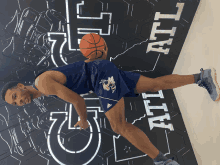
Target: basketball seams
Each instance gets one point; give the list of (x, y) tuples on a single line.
[(93, 35), (87, 41), (94, 49), (93, 39), (94, 43), (92, 52), (99, 39)]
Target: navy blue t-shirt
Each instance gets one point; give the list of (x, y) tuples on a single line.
[(102, 77)]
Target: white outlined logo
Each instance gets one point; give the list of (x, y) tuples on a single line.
[(109, 84), (109, 105)]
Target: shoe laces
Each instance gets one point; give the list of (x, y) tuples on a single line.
[(205, 84), (168, 161)]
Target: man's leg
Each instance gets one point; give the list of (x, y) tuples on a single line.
[(139, 139), (174, 81), (145, 84), (133, 134)]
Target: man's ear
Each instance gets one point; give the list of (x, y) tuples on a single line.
[(19, 85)]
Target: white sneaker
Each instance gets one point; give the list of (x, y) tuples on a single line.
[(167, 162)]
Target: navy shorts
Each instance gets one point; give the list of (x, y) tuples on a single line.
[(112, 84)]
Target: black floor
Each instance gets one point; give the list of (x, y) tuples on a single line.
[(143, 36)]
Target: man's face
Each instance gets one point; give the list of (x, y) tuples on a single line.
[(18, 96)]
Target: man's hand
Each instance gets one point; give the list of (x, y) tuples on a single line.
[(83, 124)]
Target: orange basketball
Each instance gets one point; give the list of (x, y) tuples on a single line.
[(91, 45)]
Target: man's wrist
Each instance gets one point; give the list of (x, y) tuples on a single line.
[(83, 118), (80, 107)]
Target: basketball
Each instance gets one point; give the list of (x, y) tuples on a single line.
[(91, 45)]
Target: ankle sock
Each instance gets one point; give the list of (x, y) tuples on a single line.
[(196, 77), (160, 157)]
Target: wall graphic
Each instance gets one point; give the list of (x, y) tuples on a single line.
[(143, 36)]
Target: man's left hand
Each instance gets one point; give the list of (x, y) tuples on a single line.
[(83, 124)]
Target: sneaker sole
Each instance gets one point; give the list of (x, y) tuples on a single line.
[(214, 77)]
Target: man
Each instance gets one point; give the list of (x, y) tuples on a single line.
[(111, 85)]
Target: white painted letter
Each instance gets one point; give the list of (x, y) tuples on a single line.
[(171, 16), (161, 125), (154, 31), (160, 49)]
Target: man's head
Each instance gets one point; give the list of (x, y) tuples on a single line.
[(15, 93)]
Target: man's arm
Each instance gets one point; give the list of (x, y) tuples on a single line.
[(51, 87)]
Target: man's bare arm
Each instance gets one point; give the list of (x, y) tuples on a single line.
[(51, 87)]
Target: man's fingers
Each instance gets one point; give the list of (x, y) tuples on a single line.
[(76, 124)]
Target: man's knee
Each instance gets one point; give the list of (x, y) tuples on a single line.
[(145, 84), (153, 89), (156, 85), (115, 130), (116, 116), (119, 127), (156, 89)]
